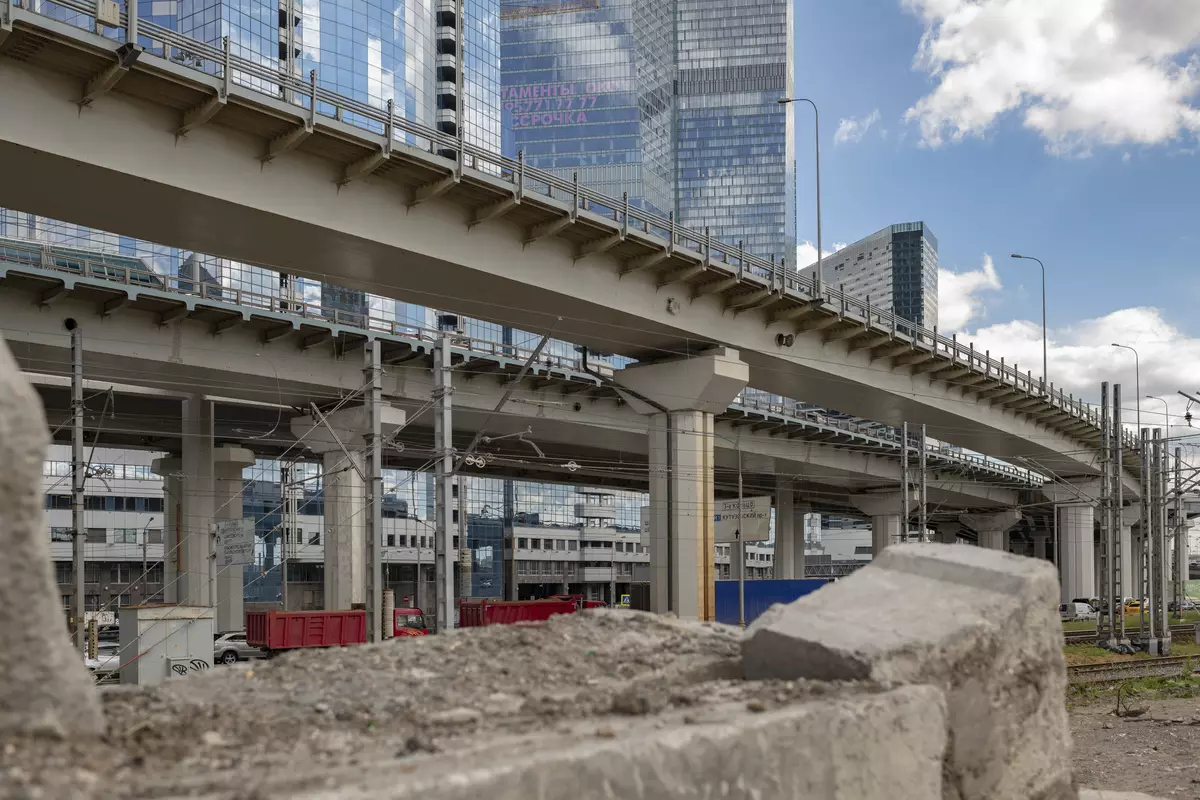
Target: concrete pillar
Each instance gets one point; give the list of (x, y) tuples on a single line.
[(1127, 561), (170, 469), (196, 518), (789, 533), (885, 531), (345, 539), (1076, 525), (1137, 568), (884, 511), (947, 532), (1039, 546), (680, 396), (345, 530), (228, 463), (992, 528)]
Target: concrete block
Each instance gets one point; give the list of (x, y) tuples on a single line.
[(1100, 794), (44, 687), (981, 624), (854, 746)]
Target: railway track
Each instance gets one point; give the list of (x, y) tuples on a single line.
[(1123, 670), (1185, 630)]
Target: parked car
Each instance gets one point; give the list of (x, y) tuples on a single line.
[(106, 666), (1094, 602), (1076, 610), (1187, 604), (231, 647)]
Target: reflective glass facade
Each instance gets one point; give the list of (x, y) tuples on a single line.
[(586, 89), (735, 171)]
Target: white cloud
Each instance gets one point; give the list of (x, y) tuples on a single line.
[(1082, 72), (1081, 355), (806, 253), (851, 130), (958, 302)]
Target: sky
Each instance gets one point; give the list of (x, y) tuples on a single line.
[(1068, 130)]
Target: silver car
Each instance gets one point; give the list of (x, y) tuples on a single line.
[(231, 647), (106, 666)]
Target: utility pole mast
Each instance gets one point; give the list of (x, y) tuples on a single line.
[(285, 496), (904, 483), (1107, 619), (923, 514), (1117, 536), (373, 371), (78, 477), (443, 445)]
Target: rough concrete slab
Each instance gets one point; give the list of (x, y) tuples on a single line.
[(981, 624), (1100, 794), (44, 687), (854, 745)]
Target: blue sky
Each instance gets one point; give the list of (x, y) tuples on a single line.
[(1052, 162)]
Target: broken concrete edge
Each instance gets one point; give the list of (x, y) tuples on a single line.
[(45, 689), (1102, 794), (981, 625), (863, 745)]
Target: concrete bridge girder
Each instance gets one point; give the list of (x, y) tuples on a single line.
[(282, 217)]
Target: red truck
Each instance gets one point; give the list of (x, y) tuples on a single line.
[(475, 613), (276, 631)]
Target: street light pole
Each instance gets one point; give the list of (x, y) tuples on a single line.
[(817, 282), (1166, 413), (1045, 369), (1137, 373)]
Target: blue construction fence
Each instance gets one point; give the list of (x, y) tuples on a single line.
[(760, 595)]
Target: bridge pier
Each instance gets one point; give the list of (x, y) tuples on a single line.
[(992, 528), (886, 527), (341, 446), (947, 532), (1076, 526), (789, 533), (680, 398), (200, 488)]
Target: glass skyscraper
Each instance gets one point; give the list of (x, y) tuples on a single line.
[(896, 268), (671, 101)]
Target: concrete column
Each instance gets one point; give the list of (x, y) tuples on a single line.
[(800, 512), (1039, 546), (1137, 568), (345, 530), (228, 463), (992, 528), (170, 469), (885, 531), (1127, 565), (680, 397), (197, 482), (785, 532), (1076, 525), (947, 532), (345, 539), (884, 511)]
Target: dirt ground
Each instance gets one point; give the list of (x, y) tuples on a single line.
[(237, 729), (1157, 752)]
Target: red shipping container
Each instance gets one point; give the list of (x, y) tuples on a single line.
[(474, 613), (289, 630)]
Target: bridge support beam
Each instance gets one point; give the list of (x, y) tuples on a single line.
[(883, 509), (680, 398), (992, 528), (340, 441), (885, 531), (201, 488), (789, 533), (1076, 526)]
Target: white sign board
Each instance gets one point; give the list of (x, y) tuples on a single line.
[(235, 542), (754, 519)]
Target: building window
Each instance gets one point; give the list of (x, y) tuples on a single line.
[(154, 536), (125, 535), (155, 574), (560, 544), (60, 534), (119, 572), (91, 572), (97, 535), (391, 540), (123, 600), (315, 538), (62, 572), (522, 543), (91, 602), (573, 545), (66, 601)]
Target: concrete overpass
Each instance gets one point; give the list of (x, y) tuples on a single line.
[(163, 343), (206, 163)]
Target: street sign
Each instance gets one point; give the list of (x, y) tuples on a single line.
[(754, 520), (235, 542)]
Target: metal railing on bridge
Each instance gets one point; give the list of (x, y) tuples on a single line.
[(236, 72), (133, 274)]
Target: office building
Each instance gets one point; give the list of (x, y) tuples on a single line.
[(896, 268), (672, 102)]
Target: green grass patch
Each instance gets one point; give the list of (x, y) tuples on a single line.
[(1130, 619), (1134, 690)]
